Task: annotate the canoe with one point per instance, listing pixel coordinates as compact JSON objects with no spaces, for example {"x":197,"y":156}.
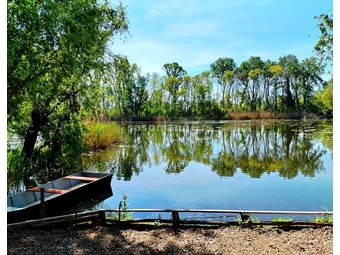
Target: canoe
{"x":55,"y":197}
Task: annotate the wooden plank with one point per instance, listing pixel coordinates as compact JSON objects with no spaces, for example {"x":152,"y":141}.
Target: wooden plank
{"x":48,"y":190}
{"x":81,"y":178}
{"x":225,"y":211}
{"x":78,"y":186}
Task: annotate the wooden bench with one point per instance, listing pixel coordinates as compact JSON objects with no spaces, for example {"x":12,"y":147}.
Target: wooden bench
{"x":81,"y":178}
{"x":49,"y":190}
{"x":77,"y":186}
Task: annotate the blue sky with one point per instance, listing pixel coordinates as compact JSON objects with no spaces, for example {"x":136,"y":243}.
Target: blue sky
{"x":195,"y":33}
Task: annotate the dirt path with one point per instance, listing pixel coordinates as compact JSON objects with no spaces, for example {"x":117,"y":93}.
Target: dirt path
{"x":101,"y":240}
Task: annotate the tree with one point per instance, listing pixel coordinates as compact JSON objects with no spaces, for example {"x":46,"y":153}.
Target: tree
{"x":51,"y":47}
{"x":290,"y":65}
{"x":324,"y":98}
{"x":173,"y":81}
{"x":218,"y":69}
{"x":201,"y":100}
{"x":310,"y":78}
{"x":124,"y":85}
{"x":140,"y":92}
{"x":254,"y":91}
{"x":324,"y":46}
{"x":227,"y":81}
{"x":275,"y":73}
{"x":155,"y":102}
{"x":187,"y":89}
{"x":174,"y":69}
{"x":248,"y":74}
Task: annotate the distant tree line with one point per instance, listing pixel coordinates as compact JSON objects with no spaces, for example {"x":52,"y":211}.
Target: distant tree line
{"x":286,"y":85}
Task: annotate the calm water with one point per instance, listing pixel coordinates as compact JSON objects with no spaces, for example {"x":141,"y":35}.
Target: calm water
{"x":264,"y":165}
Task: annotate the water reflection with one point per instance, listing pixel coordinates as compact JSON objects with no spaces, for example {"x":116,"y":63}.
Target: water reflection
{"x":255,"y":148}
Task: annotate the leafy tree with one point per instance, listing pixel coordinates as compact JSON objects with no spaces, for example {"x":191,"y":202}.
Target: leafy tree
{"x":201,"y":101}
{"x":310,"y":76}
{"x":187,"y":89}
{"x":275,"y":73}
{"x":124,"y":82}
{"x":130,"y":87}
{"x":100,"y":94}
{"x":324,"y":98}
{"x":324,"y":46}
{"x":218,"y":69}
{"x":174,"y":69}
{"x":156,"y":101}
{"x":241,"y":73}
{"x":51,"y":47}
{"x":227,"y":82}
{"x":290,"y":65}
{"x":140,"y":93}
{"x":254,"y":90}
{"x":173,"y":81}
{"x":248,"y":74}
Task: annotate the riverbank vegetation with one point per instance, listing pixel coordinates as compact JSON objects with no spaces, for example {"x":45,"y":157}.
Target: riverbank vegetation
{"x":61,"y":71}
{"x":100,"y":135}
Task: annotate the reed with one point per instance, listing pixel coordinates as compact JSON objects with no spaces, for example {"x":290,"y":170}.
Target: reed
{"x":101,"y":135}
{"x":250,"y":115}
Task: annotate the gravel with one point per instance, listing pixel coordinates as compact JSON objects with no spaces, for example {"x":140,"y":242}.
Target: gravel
{"x":100,"y":240}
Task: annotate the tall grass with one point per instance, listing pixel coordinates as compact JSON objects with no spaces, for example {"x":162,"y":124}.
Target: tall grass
{"x":101,"y":135}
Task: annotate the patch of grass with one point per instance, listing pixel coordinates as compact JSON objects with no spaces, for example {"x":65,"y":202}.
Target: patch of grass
{"x":280,"y":219}
{"x":101,"y":135}
{"x":323,"y":219}
{"x":247,"y":219}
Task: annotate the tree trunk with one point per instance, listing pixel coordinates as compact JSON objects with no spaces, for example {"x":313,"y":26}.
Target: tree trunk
{"x":31,"y":138}
{"x":289,"y":97}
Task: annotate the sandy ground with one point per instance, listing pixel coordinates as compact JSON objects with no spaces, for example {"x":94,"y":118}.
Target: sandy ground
{"x":225,"y":240}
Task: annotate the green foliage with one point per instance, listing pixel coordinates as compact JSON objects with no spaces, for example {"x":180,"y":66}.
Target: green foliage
{"x":100,"y":135}
{"x":324,"y":45}
{"x":220,"y":66}
{"x":281,"y":219}
{"x":15,"y":168}
{"x":52,"y":46}
{"x":324,"y":219}
{"x":172,"y":84}
{"x":324,"y":98}
{"x":174,"y":70}
{"x":248,"y":219}
{"x":123,"y":205}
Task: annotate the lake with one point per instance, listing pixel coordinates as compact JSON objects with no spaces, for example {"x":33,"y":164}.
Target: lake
{"x":232,"y":165}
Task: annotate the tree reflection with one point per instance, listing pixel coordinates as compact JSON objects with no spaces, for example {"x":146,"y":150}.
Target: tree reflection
{"x":254,"y":148}
{"x":224,"y":165}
